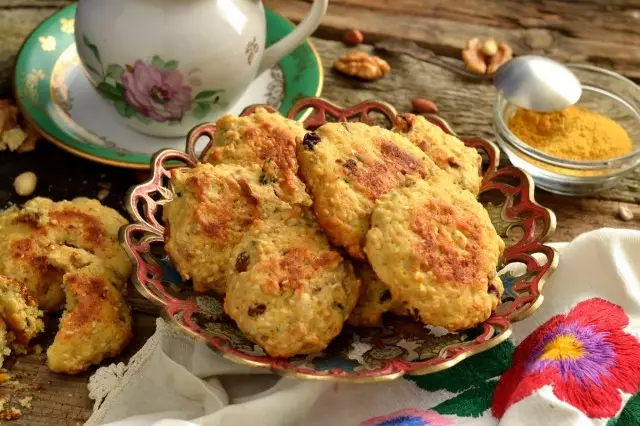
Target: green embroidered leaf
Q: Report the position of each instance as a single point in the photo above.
(143, 118)
(470, 372)
(470, 403)
(206, 94)
(115, 71)
(174, 123)
(630, 414)
(124, 109)
(91, 47)
(157, 62)
(110, 92)
(171, 65)
(201, 110)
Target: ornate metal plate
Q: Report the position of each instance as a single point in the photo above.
(401, 346)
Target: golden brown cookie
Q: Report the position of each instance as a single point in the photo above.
(435, 248)
(28, 235)
(291, 292)
(96, 323)
(19, 311)
(5, 341)
(460, 162)
(347, 166)
(266, 141)
(374, 300)
(213, 207)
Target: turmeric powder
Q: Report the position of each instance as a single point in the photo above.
(574, 133)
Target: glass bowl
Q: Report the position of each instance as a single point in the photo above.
(603, 92)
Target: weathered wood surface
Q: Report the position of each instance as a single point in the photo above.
(605, 33)
(63, 400)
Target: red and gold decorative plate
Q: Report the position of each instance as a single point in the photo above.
(401, 346)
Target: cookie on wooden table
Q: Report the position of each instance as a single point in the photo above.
(291, 292)
(96, 323)
(213, 207)
(435, 248)
(460, 162)
(28, 235)
(347, 167)
(266, 141)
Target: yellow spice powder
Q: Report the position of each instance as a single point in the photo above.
(574, 133)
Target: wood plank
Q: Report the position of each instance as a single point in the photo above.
(578, 215)
(594, 32)
(16, 23)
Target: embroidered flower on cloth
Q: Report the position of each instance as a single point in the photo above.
(409, 417)
(585, 356)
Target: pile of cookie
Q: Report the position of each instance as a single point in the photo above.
(57, 256)
(303, 231)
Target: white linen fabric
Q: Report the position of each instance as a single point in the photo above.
(174, 380)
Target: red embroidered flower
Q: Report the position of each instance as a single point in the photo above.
(584, 355)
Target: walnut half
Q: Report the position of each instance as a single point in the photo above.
(362, 65)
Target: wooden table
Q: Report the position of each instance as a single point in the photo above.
(602, 32)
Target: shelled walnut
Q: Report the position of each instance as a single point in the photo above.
(487, 57)
(362, 65)
(15, 133)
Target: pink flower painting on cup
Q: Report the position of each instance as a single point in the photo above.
(158, 94)
(151, 92)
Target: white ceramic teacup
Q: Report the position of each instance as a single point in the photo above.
(168, 65)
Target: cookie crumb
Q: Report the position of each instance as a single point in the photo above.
(26, 401)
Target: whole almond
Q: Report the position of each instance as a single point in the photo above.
(353, 38)
(424, 106)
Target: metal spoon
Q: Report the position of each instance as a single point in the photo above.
(538, 83)
(530, 82)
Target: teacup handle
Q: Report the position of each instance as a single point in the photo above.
(308, 25)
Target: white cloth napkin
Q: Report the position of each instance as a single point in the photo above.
(174, 380)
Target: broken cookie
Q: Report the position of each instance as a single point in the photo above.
(96, 323)
(29, 235)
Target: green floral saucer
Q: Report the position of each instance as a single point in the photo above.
(54, 93)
